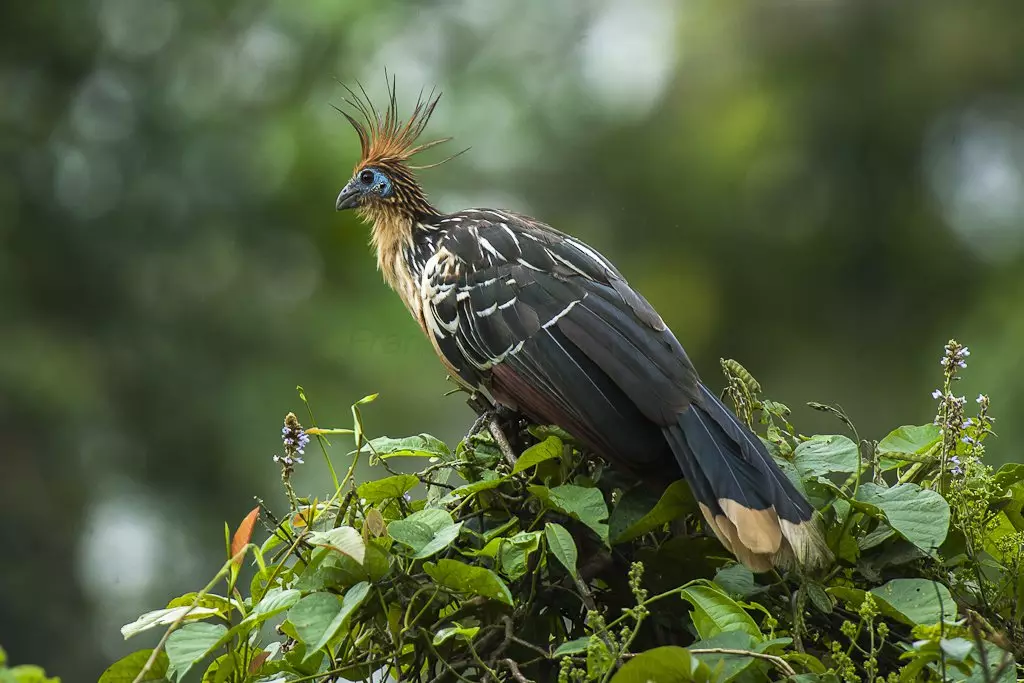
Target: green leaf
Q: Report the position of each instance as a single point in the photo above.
(388, 487)
(318, 617)
(274, 602)
(463, 578)
(166, 617)
(427, 532)
(489, 479)
(634, 516)
(995, 657)
(1008, 475)
(726, 666)
(562, 546)
(189, 644)
(547, 449)
(420, 446)
(26, 673)
(737, 581)
(585, 504)
(441, 540)
(825, 454)
(715, 612)
(668, 664)
(919, 601)
(514, 553)
(911, 439)
(127, 668)
(571, 647)
(217, 602)
(907, 440)
(467, 634)
(343, 539)
(920, 515)
(910, 601)
(312, 616)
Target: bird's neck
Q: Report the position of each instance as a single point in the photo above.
(403, 242)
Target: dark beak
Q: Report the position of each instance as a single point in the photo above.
(348, 198)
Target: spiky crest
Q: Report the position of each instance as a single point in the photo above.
(385, 138)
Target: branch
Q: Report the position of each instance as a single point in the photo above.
(779, 662)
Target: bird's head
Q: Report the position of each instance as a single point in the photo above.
(383, 186)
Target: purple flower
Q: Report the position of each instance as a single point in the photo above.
(937, 393)
(956, 468)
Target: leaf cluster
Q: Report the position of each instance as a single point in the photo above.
(462, 566)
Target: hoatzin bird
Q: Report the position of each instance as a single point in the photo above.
(547, 326)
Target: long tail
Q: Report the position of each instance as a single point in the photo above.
(750, 504)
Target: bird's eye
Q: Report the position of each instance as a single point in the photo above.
(366, 177)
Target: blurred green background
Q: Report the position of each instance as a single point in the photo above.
(826, 190)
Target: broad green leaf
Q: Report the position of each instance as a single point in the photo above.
(585, 504)
(427, 532)
(737, 581)
(467, 634)
(166, 617)
(910, 439)
(441, 540)
(388, 487)
(354, 597)
(995, 657)
(127, 668)
(957, 648)
(514, 553)
(189, 644)
(547, 449)
(726, 666)
(715, 612)
(906, 440)
(464, 578)
(920, 601)
(1008, 475)
(420, 446)
(668, 664)
(913, 601)
(312, 616)
(634, 516)
(920, 515)
(318, 617)
(343, 539)
(489, 479)
(562, 546)
(274, 602)
(571, 647)
(825, 454)
(26, 673)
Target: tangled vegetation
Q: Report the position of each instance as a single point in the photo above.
(473, 566)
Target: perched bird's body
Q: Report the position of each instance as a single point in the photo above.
(546, 325)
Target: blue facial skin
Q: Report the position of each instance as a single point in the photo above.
(368, 181)
(372, 180)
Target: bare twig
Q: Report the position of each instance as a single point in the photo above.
(499, 438)
(780, 663)
(513, 669)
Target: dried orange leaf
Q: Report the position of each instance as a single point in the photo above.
(242, 535)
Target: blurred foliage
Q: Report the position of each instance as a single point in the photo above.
(484, 565)
(822, 189)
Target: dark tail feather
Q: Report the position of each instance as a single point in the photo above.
(750, 504)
